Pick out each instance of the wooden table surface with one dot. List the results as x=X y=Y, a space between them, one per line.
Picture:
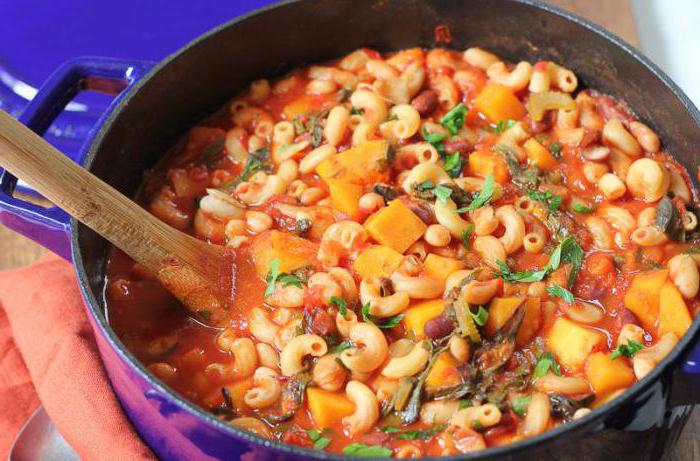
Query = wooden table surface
x=614 y=15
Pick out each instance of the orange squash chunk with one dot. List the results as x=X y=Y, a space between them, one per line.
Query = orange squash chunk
x=500 y=311
x=642 y=297
x=328 y=408
x=395 y=226
x=440 y=267
x=444 y=373
x=572 y=343
x=673 y=312
x=607 y=375
x=539 y=155
x=483 y=164
x=293 y=252
x=531 y=322
x=345 y=196
x=415 y=317
x=377 y=261
x=498 y=103
x=365 y=164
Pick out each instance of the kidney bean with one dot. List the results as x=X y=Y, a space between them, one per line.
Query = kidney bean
x=537 y=127
x=420 y=208
x=426 y=102
x=439 y=327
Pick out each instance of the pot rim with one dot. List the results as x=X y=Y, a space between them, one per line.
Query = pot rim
x=598 y=413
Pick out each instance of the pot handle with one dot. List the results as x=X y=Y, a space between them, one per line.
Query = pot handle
x=50 y=226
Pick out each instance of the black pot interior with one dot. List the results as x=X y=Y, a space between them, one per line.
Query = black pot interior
x=199 y=80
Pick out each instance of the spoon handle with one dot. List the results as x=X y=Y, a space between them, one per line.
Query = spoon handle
x=184 y=264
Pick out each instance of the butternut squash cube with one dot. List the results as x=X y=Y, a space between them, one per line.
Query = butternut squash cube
x=673 y=312
x=440 y=267
x=572 y=343
x=300 y=106
x=607 y=375
x=377 y=261
x=417 y=316
x=365 y=164
x=395 y=226
x=328 y=408
x=539 y=155
x=498 y=103
x=345 y=196
x=484 y=163
x=531 y=322
x=293 y=252
x=500 y=311
x=443 y=374
x=642 y=297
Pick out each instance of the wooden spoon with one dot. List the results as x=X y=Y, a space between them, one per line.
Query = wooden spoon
x=199 y=274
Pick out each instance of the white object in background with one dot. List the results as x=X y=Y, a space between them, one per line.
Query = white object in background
x=669 y=33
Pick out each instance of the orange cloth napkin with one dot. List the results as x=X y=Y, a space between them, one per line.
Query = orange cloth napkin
x=48 y=355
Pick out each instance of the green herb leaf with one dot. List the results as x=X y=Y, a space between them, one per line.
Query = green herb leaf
x=453 y=165
x=361 y=449
x=433 y=138
x=464 y=236
x=341 y=304
x=272 y=274
x=341 y=347
x=391 y=430
x=571 y=252
x=628 y=350
x=483 y=197
x=559 y=292
x=545 y=363
x=389 y=322
x=480 y=317
x=424 y=186
x=519 y=405
x=580 y=208
x=442 y=193
x=317 y=438
x=503 y=125
x=421 y=435
x=464 y=403
x=523 y=277
x=552 y=201
x=290 y=279
x=257 y=161
x=555 y=149
x=453 y=121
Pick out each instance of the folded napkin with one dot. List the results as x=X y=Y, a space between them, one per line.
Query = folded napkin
x=48 y=355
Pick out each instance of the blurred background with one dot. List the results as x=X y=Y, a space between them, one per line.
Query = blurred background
x=37 y=35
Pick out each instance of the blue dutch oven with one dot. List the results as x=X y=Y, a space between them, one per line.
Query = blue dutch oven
x=154 y=105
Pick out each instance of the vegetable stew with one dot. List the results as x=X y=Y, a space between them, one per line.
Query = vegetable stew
x=436 y=252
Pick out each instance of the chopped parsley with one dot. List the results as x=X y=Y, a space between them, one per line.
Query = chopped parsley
x=341 y=347
x=464 y=236
x=464 y=403
x=274 y=276
x=552 y=201
x=316 y=436
x=503 y=125
x=453 y=165
x=424 y=186
x=628 y=350
x=567 y=251
x=387 y=323
x=545 y=363
x=341 y=304
x=453 y=121
x=483 y=197
x=480 y=317
x=442 y=193
x=433 y=138
x=364 y=450
x=519 y=405
x=560 y=292
x=580 y=208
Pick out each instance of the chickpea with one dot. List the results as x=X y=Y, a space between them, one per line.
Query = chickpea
x=371 y=202
x=611 y=186
x=647 y=179
x=437 y=235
